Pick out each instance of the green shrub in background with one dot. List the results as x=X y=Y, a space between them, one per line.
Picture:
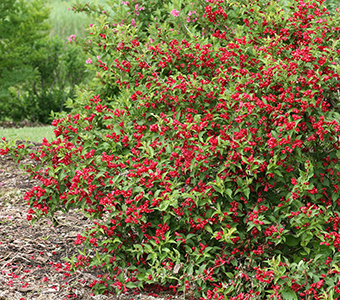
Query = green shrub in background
x=332 y=5
x=38 y=73
x=59 y=69
x=22 y=25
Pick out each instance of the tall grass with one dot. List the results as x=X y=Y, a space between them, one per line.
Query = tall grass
x=64 y=22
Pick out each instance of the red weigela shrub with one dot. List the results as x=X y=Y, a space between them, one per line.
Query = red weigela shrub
x=208 y=151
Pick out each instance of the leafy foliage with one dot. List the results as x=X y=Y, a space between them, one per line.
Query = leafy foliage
x=22 y=24
x=38 y=74
x=332 y=5
x=60 y=68
x=207 y=156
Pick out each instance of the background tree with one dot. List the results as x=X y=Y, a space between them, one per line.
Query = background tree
x=37 y=72
x=59 y=69
x=22 y=25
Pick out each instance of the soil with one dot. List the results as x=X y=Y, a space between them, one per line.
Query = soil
x=31 y=256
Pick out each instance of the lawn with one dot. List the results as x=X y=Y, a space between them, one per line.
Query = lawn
x=33 y=134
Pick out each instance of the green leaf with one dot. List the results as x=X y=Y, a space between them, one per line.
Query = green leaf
x=289 y=294
x=335 y=197
x=326 y=182
x=306 y=238
x=98 y=257
x=208 y=228
x=229 y=192
x=164 y=205
x=246 y=192
x=291 y=240
x=190 y=269
x=130 y=285
x=166 y=218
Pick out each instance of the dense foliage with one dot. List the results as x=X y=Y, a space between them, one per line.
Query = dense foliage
x=206 y=154
x=60 y=68
x=332 y=5
x=21 y=24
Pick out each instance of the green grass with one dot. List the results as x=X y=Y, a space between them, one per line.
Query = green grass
x=66 y=22
x=33 y=134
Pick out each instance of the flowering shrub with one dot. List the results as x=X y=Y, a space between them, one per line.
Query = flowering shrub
x=208 y=161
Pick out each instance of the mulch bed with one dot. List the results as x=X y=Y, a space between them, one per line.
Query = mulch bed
x=31 y=256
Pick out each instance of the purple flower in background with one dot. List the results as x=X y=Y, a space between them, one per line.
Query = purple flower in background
x=138 y=8
x=133 y=23
x=72 y=37
x=89 y=61
x=175 y=12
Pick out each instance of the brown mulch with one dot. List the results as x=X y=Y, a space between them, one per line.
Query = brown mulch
x=31 y=256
